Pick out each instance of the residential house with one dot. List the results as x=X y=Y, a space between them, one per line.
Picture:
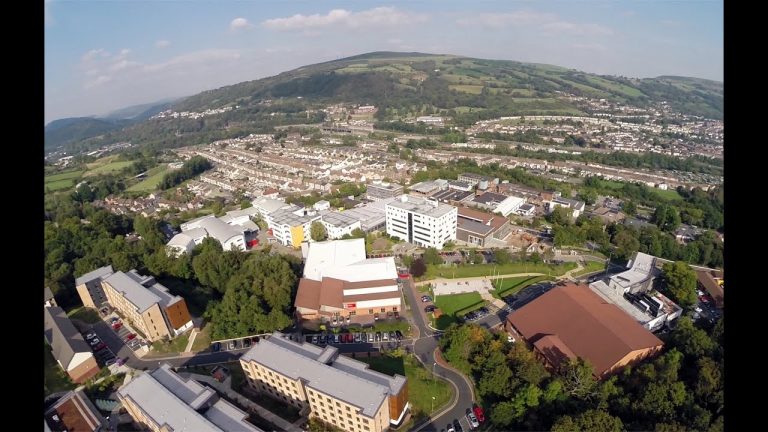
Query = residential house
x=68 y=346
x=74 y=412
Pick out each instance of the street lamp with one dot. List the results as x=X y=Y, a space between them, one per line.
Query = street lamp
x=433 y=405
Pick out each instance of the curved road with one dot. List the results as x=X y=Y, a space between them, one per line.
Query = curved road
x=424 y=348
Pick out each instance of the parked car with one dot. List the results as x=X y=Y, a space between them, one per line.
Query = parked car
x=457 y=426
x=430 y=308
x=473 y=423
x=314 y=339
x=426 y=298
x=357 y=337
x=94 y=341
x=231 y=345
x=120 y=361
x=90 y=336
x=236 y=344
x=110 y=362
x=399 y=334
x=130 y=336
x=370 y=337
x=450 y=428
x=114 y=319
x=384 y=336
x=117 y=325
x=100 y=346
x=479 y=413
x=392 y=335
x=216 y=346
x=377 y=336
x=246 y=343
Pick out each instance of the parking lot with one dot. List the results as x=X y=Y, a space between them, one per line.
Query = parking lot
x=121 y=329
x=103 y=354
x=705 y=309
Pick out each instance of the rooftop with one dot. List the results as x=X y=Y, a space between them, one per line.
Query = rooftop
x=62 y=336
x=591 y=328
x=641 y=268
x=171 y=400
x=99 y=273
x=422 y=206
x=133 y=291
x=268 y=205
x=326 y=255
x=289 y=217
x=339 y=219
x=490 y=198
x=74 y=412
x=342 y=378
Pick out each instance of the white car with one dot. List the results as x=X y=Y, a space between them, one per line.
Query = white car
x=473 y=423
x=698 y=309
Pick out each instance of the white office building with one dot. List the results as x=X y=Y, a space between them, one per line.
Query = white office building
x=421 y=221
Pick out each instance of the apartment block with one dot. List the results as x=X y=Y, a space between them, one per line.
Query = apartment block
x=291 y=226
x=89 y=288
x=162 y=401
x=148 y=305
x=338 y=390
x=421 y=221
x=382 y=190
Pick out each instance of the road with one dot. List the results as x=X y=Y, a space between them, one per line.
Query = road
x=424 y=347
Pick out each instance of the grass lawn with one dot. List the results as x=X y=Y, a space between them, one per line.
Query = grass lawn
x=62 y=180
x=475 y=270
x=59 y=185
x=505 y=287
x=109 y=168
x=174 y=346
x=590 y=267
x=154 y=176
x=669 y=194
x=203 y=339
x=455 y=305
x=56 y=379
x=421 y=384
x=84 y=314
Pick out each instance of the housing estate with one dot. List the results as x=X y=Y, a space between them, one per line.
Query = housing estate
x=421 y=221
x=571 y=321
x=336 y=389
x=147 y=304
x=162 y=401
x=340 y=283
x=68 y=346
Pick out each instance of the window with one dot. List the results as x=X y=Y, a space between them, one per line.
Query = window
x=370 y=311
x=383 y=310
x=394 y=308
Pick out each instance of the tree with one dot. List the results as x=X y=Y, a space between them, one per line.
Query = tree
x=626 y=244
x=691 y=341
x=418 y=268
x=477 y=258
x=502 y=256
x=244 y=204
x=679 y=281
x=560 y=216
x=666 y=217
x=318 y=232
x=578 y=379
x=629 y=207
x=590 y=420
x=432 y=256
x=589 y=196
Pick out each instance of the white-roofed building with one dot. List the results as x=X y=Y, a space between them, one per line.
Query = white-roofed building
x=421 y=221
x=292 y=225
x=498 y=203
x=339 y=283
x=338 y=224
x=193 y=232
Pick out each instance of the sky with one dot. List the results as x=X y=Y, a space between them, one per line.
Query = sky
x=103 y=55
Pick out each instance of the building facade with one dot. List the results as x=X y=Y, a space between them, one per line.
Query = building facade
x=421 y=221
x=148 y=305
x=89 y=288
x=382 y=190
x=336 y=389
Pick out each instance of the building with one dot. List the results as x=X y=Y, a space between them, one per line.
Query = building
x=265 y=205
x=48 y=298
x=713 y=283
x=336 y=389
x=609 y=215
x=89 y=288
x=575 y=205
x=147 y=305
x=421 y=221
x=632 y=291
x=340 y=283
x=430 y=120
x=498 y=203
x=372 y=216
x=452 y=196
x=460 y=185
x=74 y=412
x=572 y=321
x=382 y=190
x=526 y=210
x=429 y=187
x=337 y=224
x=292 y=226
x=241 y=219
x=162 y=401
x=482 y=182
x=195 y=231
x=68 y=346
x=476 y=227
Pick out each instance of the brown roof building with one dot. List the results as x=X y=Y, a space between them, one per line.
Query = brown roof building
x=572 y=321
x=74 y=412
x=712 y=282
x=475 y=227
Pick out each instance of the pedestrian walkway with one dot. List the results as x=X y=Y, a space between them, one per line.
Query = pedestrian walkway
x=226 y=388
x=478 y=278
x=191 y=340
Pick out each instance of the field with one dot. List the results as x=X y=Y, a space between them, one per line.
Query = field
x=154 y=176
x=109 y=168
x=422 y=387
x=590 y=267
x=477 y=270
x=668 y=195
x=505 y=287
x=454 y=303
x=62 y=180
x=472 y=89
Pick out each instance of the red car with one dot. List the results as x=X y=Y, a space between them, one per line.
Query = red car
x=704 y=299
x=479 y=414
x=130 y=336
x=99 y=347
x=117 y=325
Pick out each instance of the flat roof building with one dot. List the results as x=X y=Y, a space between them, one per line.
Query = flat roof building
x=498 y=203
x=338 y=390
x=163 y=401
x=291 y=226
x=424 y=222
x=340 y=283
x=476 y=227
x=89 y=288
x=572 y=321
x=381 y=190
x=230 y=236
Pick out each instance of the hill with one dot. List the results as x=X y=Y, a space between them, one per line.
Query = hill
x=69 y=130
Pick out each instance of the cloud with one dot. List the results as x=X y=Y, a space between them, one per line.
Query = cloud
x=101 y=79
x=48 y=16
x=239 y=23
x=342 y=18
x=208 y=57
x=162 y=44
x=549 y=24
x=94 y=54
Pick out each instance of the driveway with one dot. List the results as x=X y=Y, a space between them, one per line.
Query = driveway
x=424 y=347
